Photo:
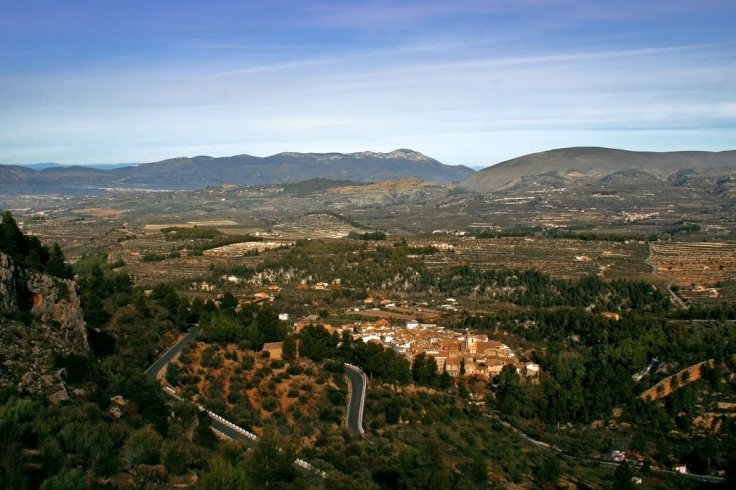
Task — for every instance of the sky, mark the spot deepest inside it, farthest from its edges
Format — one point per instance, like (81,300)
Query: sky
(471,82)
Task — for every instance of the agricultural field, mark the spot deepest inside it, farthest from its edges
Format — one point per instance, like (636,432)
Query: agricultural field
(702,271)
(564,258)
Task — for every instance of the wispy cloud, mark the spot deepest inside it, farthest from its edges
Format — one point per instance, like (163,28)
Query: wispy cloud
(467,82)
(290,65)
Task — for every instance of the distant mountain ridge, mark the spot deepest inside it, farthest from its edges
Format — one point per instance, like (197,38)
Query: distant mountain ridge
(571,167)
(203,171)
(102,166)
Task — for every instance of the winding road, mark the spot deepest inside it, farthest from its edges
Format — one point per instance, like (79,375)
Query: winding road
(218,424)
(157,367)
(674,297)
(225,428)
(154,372)
(358,383)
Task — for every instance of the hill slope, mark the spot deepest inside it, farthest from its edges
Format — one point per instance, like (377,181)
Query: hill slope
(202,171)
(578,166)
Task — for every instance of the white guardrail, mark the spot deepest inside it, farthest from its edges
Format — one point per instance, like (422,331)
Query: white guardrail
(234,427)
(356,369)
(172,392)
(299,462)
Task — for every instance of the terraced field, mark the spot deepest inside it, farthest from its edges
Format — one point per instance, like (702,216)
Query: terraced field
(242,249)
(703,271)
(563,258)
(316,226)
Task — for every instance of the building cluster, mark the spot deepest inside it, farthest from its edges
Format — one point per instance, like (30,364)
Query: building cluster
(457,353)
(630,217)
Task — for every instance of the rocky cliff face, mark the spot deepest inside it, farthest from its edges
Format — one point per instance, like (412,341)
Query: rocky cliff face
(40,318)
(9,275)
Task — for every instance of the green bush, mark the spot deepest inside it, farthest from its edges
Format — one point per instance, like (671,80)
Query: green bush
(269,403)
(142,447)
(277,364)
(176,457)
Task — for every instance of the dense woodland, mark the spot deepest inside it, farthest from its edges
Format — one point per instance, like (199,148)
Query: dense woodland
(587,361)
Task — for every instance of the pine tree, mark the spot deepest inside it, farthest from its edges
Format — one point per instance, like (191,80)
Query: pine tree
(56,265)
(289,349)
(12,240)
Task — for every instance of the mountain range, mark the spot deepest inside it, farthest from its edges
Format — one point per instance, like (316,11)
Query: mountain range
(560,168)
(203,171)
(573,167)
(103,166)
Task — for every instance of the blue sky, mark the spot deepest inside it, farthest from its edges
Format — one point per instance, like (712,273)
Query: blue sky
(467,82)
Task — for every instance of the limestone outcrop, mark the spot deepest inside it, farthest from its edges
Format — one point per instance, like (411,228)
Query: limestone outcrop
(40,320)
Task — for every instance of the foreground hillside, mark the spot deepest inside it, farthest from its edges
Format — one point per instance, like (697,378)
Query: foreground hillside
(580,166)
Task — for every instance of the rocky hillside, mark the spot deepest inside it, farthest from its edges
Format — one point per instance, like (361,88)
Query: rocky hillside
(203,171)
(40,320)
(572,167)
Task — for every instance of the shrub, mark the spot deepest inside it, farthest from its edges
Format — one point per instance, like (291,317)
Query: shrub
(142,447)
(176,457)
(336,397)
(270,403)
(211,357)
(277,364)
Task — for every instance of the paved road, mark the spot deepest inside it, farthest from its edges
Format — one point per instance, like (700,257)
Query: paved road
(218,423)
(675,298)
(357,380)
(228,431)
(153,371)
(649,258)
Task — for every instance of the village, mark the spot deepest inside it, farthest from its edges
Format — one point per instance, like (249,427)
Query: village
(457,353)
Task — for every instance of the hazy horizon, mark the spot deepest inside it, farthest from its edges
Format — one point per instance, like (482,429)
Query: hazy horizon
(134,164)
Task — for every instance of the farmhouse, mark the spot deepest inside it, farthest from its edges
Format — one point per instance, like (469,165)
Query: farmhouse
(275,350)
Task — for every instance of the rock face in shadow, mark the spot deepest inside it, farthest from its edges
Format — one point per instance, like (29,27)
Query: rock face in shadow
(40,320)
